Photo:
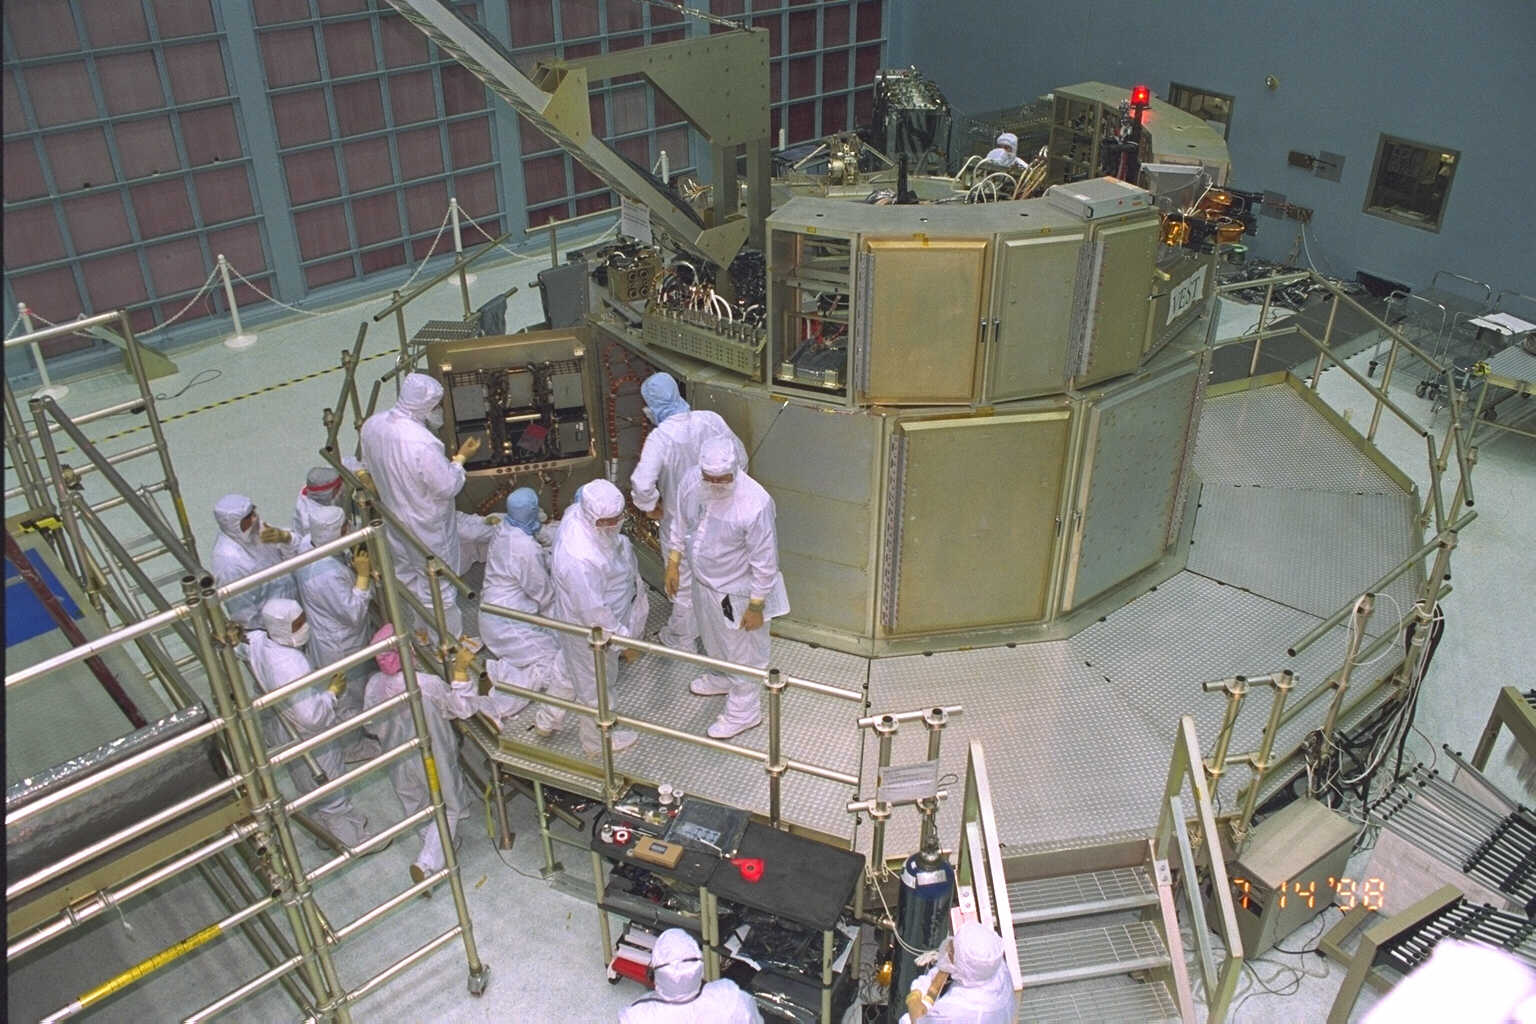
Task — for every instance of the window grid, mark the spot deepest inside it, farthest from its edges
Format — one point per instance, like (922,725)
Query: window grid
(157,253)
(341,169)
(822,61)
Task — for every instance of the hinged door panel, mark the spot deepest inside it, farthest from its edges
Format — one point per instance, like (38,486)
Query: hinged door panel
(972,522)
(1031,315)
(921,307)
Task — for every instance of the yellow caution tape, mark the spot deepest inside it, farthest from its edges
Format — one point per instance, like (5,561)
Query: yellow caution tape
(240,398)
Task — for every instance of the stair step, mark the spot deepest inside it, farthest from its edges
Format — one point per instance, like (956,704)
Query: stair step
(1049,959)
(1068,896)
(1099,1000)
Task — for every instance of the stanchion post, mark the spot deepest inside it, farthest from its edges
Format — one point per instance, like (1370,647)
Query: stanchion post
(239,339)
(465,277)
(776,766)
(49,388)
(599,641)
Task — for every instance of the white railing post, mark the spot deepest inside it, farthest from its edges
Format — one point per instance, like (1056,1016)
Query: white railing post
(458,239)
(239,339)
(49,388)
(666,173)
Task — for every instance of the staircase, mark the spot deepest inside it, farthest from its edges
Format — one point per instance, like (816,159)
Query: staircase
(1092,934)
(1095,946)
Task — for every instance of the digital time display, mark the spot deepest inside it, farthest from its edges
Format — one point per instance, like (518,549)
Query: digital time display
(1348,893)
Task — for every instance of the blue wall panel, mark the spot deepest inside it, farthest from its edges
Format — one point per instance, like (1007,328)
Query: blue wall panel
(25,616)
(1456,75)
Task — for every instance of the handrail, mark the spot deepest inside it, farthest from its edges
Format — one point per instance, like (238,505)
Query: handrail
(1381,583)
(62,330)
(1365,382)
(1366,656)
(983,868)
(1187,765)
(1288,277)
(173,615)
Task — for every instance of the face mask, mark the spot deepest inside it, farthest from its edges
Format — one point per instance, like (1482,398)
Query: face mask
(650,417)
(327,498)
(254,533)
(609,535)
(300,636)
(435,418)
(718,492)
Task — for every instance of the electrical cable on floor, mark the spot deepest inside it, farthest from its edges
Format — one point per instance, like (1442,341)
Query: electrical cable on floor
(1311,942)
(490,831)
(203,377)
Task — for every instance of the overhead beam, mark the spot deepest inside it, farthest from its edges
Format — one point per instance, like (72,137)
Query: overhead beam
(557,104)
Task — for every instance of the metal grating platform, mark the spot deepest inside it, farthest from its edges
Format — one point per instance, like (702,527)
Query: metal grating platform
(1070,763)
(1158,649)
(1312,550)
(1072,895)
(1098,1002)
(1515,363)
(1078,732)
(1271,437)
(1092,952)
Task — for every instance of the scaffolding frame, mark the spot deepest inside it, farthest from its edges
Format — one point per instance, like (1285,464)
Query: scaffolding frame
(302,961)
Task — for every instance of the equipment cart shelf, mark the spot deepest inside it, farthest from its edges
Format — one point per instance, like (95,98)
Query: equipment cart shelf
(805,886)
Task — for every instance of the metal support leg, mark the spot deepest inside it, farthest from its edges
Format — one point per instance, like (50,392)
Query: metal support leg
(505,840)
(602,915)
(551,866)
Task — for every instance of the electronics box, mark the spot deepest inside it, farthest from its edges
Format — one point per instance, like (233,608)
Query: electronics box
(1098,198)
(1288,872)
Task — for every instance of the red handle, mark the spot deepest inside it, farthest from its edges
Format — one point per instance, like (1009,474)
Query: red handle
(751,868)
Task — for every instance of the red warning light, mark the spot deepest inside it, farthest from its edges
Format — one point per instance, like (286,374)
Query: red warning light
(1141,96)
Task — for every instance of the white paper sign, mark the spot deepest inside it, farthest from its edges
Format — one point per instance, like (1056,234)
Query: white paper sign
(634,221)
(1186,294)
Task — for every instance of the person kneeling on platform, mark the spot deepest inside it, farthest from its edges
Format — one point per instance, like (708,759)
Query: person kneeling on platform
(439,703)
(681,997)
(725,526)
(517,577)
(980,985)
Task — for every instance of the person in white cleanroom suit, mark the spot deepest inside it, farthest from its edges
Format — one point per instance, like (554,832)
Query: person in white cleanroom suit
(681,997)
(439,703)
(517,577)
(246,545)
(1006,153)
(336,592)
(980,984)
(597,583)
(276,654)
(322,489)
(417,482)
(670,452)
(725,521)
